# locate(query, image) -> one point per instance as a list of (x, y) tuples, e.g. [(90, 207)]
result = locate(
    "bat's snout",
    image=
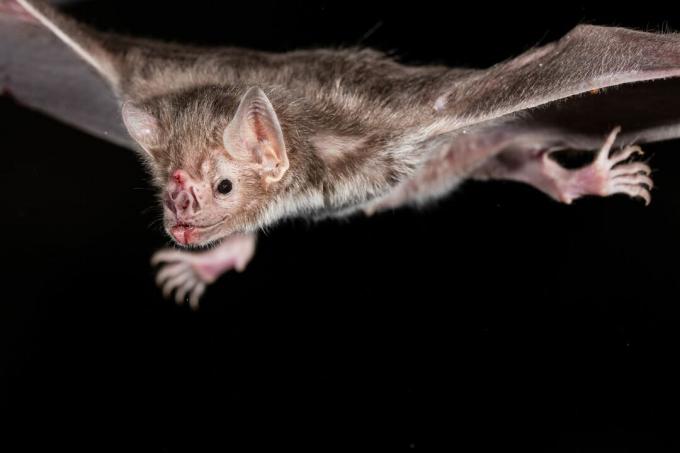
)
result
[(182, 197)]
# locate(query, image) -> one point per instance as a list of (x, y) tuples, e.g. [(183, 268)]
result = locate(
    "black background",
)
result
[(497, 319)]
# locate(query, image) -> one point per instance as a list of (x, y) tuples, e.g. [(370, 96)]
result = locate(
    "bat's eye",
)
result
[(224, 187)]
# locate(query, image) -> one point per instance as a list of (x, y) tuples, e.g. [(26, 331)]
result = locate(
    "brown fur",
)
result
[(361, 130), (315, 94)]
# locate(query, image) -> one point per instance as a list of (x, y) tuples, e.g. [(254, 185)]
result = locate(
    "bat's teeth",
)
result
[(184, 234)]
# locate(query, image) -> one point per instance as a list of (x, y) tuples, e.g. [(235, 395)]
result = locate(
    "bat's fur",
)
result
[(402, 116), (355, 123), (361, 131)]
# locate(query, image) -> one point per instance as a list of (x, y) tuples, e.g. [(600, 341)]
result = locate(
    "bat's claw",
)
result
[(180, 274), (188, 274), (606, 175), (622, 176)]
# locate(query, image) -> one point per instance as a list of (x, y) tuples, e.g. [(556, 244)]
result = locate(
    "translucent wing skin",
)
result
[(587, 58), (571, 93), (39, 70)]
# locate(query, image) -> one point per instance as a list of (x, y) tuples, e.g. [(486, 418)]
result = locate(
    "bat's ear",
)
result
[(142, 126), (254, 134)]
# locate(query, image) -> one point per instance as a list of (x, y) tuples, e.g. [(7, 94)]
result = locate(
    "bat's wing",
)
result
[(40, 69), (571, 93)]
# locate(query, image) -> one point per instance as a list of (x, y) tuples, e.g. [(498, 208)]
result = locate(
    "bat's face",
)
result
[(208, 200), (210, 188)]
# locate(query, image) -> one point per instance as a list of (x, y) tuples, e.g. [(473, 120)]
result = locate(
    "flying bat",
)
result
[(235, 140)]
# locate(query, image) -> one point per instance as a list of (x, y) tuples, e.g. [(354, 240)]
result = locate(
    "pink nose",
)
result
[(182, 198)]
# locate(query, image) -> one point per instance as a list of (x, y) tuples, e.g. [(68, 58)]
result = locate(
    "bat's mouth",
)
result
[(188, 234)]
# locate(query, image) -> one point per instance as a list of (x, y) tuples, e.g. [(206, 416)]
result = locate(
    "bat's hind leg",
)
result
[(608, 174)]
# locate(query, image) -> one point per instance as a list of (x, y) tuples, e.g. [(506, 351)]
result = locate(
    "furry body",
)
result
[(319, 133)]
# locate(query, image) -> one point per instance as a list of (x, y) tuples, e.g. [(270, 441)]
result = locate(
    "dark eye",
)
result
[(224, 187)]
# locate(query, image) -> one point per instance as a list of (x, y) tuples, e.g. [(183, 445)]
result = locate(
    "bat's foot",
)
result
[(188, 274), (606, 175)]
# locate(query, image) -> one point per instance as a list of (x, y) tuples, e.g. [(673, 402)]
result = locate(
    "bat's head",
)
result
[(218, 160)]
